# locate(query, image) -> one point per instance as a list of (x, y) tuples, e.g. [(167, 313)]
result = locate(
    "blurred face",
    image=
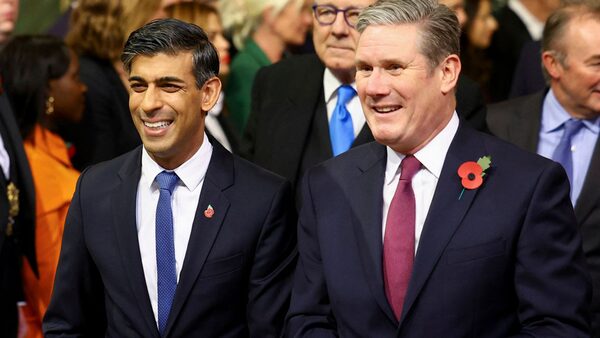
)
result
[(335, 44), (214, 30), (9, 12), (405, 102), (168, 108), (576, 83), (483, 26), (68, 93), (293, 22), (458, 6)]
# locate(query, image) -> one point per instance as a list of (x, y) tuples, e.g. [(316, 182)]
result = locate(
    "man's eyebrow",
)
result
[(169, 79), (163, 79), (136, 78)]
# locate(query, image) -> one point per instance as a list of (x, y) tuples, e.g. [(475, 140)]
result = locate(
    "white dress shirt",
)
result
[(184, 202), (330, 87), (424, 182)]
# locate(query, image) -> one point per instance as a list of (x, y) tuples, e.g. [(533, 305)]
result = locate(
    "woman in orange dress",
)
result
[(41, 77)]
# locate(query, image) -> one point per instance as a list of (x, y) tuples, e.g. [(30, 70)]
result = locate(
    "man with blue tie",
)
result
[(562, 123), (177, 238), (436, 229)]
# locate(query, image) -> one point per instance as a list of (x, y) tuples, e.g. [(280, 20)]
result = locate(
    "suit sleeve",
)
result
[(551, 278), (310, 311), (77, 305), (274, 262)]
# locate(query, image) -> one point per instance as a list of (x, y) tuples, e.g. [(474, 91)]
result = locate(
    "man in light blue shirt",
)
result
[(562, 123)]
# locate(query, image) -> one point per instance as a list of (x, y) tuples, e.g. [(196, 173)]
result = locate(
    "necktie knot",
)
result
[(345, 94), (409, 167), (167, 180), (571, 127)]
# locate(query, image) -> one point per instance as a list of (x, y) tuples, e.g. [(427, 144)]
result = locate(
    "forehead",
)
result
[(345, 3), (162, 64), (388, 41), (581, 36)]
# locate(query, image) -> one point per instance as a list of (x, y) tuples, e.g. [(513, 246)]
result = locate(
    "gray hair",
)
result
[(439, 27), (171, 36), (557, 25)]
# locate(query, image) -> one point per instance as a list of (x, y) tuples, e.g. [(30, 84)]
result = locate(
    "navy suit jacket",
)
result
[(236, 276), (504, 260), (519, 121)]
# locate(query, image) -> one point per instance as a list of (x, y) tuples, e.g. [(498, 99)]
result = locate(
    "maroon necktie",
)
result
[(399, 239)]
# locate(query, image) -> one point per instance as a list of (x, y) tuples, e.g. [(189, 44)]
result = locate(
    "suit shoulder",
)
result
[(104, 173), (506, 152), (499, 115), (248, 173)]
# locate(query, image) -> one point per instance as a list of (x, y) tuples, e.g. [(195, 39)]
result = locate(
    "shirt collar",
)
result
[(191, 173), (555, 116), (331, 85), (534, 26), (431, 156)]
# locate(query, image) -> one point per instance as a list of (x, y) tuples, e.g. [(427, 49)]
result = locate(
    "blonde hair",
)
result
[(192, 12), (95, 28), (242, 17), (101, 27)]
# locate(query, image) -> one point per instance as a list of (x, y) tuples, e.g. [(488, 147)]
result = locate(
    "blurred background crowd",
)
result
[(67, 89)]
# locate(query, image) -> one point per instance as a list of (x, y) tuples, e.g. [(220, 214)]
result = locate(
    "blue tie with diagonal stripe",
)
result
[(341, 131), (563, 154), (165, 248)]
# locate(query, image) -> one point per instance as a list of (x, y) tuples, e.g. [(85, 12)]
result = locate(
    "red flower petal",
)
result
[(469, 168)]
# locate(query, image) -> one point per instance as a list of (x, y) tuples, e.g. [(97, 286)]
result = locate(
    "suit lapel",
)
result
[(219, 177), (446, 212), (366, 198), (524, 130), (124, 222), (588, 198)]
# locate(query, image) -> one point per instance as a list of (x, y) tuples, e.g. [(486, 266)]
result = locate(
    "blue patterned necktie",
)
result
[(341, 130), (562, 153), (165, 248)]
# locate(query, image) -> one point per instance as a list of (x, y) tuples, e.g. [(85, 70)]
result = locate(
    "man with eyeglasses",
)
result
[(298, 117), (305, 109)]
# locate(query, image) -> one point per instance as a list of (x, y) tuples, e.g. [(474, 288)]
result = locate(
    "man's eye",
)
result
[(137, 87), (325, 12), (170, 88)]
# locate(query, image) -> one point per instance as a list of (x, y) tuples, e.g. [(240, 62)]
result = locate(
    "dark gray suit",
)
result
[(518, 121)]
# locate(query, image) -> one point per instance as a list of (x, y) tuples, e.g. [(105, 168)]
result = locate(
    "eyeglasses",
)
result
[(326, 14)]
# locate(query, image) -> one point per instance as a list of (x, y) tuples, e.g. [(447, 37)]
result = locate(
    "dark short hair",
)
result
[(172, 36), (438, 25), (27, 64)]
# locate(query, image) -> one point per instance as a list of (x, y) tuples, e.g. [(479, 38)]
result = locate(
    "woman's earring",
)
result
[(50, 105)]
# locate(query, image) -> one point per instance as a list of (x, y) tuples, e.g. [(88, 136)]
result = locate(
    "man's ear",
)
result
[(552, 64), (210, 93), (450, 69)]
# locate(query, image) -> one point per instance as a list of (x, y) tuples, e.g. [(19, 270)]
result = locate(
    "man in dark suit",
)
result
[(406, 237), (542, 122), (293, 101), (177, 238), (17, 218), (520, 21)]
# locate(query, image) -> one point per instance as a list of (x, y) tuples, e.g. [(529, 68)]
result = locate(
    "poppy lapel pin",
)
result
[(472, 173)]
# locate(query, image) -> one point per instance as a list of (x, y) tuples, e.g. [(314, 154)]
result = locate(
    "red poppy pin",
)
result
[(472, 173), (209, 212)]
